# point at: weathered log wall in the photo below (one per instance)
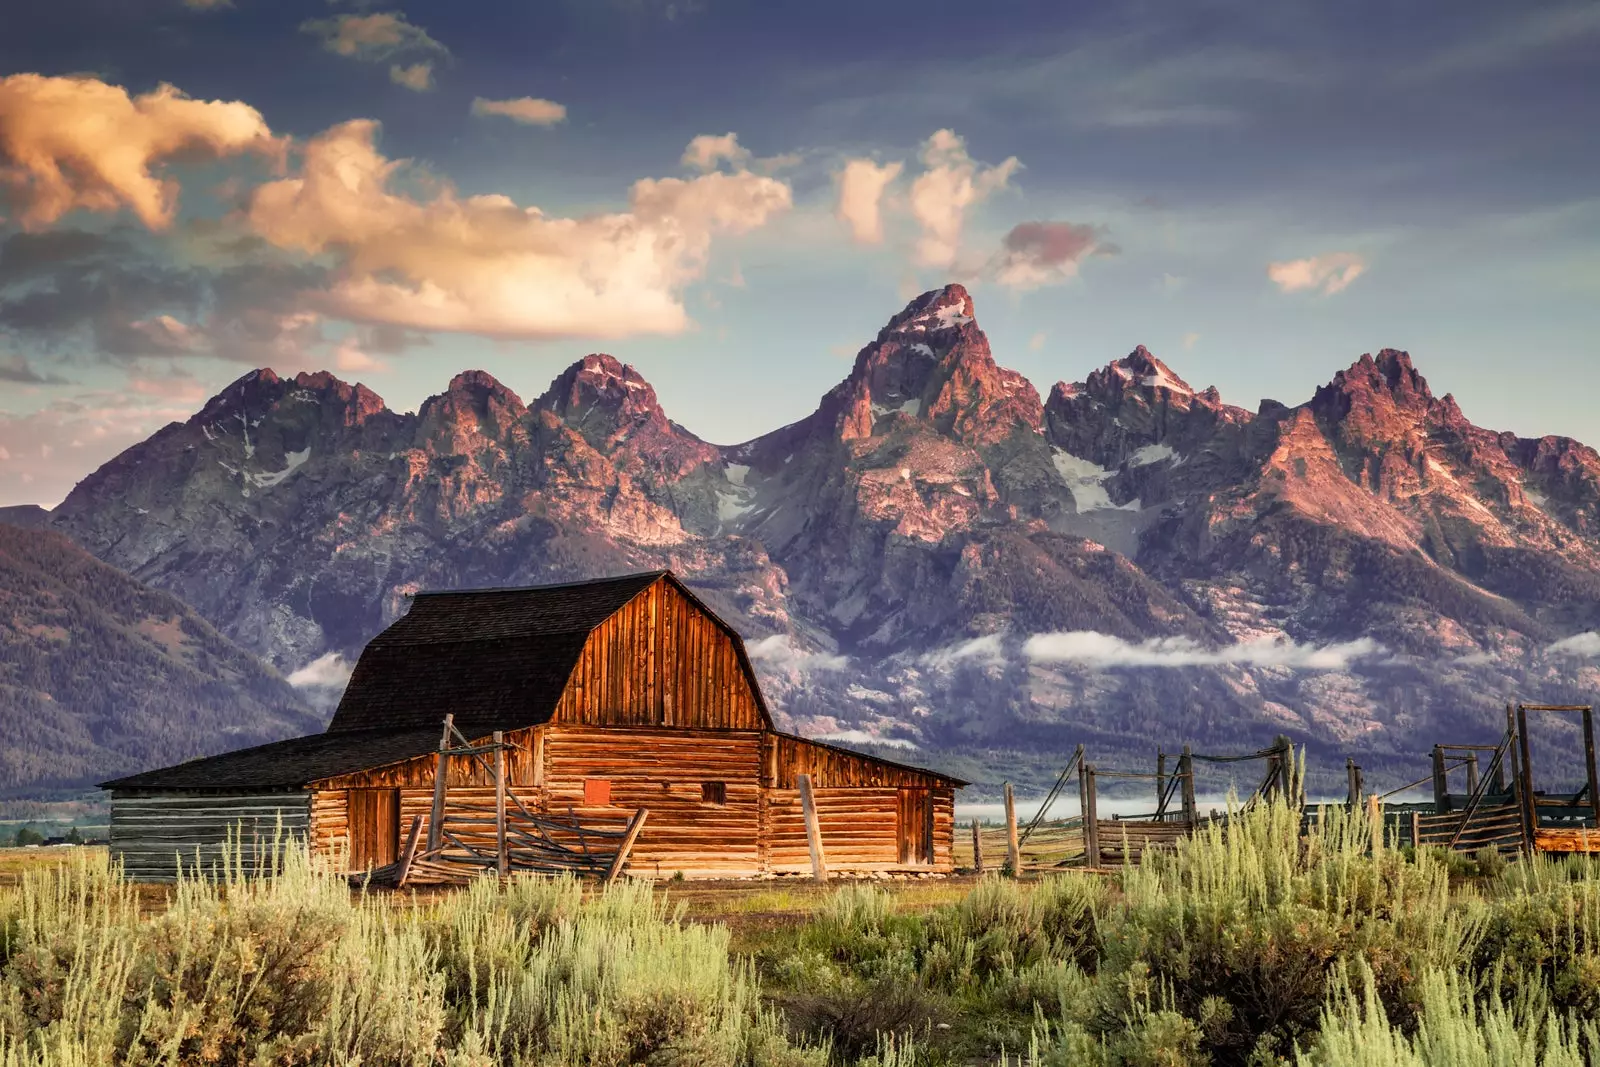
(667, 772)
(661, 661)
(151, 831)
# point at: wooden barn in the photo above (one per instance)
(596, 699)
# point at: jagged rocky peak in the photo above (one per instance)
(933, 363)
(600, 381)
(1382, 397)
(475, 405)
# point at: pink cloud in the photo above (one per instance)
(1329, 273)
(527, 110)
(48, 450)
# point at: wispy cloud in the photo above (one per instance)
(1584, 645)
(330, 671)
(987, 650)
(527, 110)
(1090, 648)
(418, 77)
(1035, 254)
(862, 184)
(1328, 273)
(779, 653)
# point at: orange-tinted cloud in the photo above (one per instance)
(79, 143)
(484, 264)
(528, 110)
(1328, 273)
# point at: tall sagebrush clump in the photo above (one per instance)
(291, 970)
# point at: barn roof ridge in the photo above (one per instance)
(550, 586)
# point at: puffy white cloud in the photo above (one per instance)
(1089, 648)
(373, 38)
(1329, 273)
(528, 110)
(1585, 645)
(79, 143)
(984, 651)
(780, 654)
(1033, 254)
(418, 77)
(951, 183)
(706, 151)
(862, 184)
(329, 671)
(862, 737)
(485, 265)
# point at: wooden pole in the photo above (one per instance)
(412, 837)
(1161, 785)
(502, 864)
(1091, 826)
(1515, 758)
(1416, 829)
(977, 848)
(635, 824)
(1441, 790)
(1472, 773)
(1375, 818)
(1529, 800)
(1285, 772)
(1186, 768)
(1013, 850)
(1352, 782)
(808, 803)
(441, 773)
(1588, 756)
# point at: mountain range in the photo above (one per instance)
(99, 673)
(937, 559)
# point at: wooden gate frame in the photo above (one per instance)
(523, 840)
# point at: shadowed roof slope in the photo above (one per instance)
(496, 659)
(291, 764)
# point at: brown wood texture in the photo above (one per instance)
(661, 661)
(1576, 840)
(151, 834)
(831, 767)
(374, 827)
(666, 771)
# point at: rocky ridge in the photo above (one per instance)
(917, 562)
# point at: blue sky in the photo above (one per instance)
(1424, 176)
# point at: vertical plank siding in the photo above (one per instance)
(151, 831)
(661, 661)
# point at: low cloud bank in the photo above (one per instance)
(1095, 649)
(329, 671)
(1584, 645)
(779, 653)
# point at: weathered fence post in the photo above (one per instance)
(502, 858)
(1375, 820)
(1441, 790)
(1416, 829)
(1161, 785)
(635, 824)
(440, 774)
(1013, 850)
(1285, 769)
(1352, 775)
(409, 852)
(1530, 800)
(1472, 774)
(1589, 763)
(1186, 768)
(808, 804)
(1091, 820)
(977, 848)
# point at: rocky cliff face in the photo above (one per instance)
(934, 557)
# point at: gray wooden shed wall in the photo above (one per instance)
(151, 831)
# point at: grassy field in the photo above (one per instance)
(1261, 948)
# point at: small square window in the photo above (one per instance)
(714, 792)
(596, 791)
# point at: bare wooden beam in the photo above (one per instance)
(808, 803)
(1013, 849)
(1161, 785)
(1527, 774)
(410, 852)
(1375, 819)
(1352, 777)
(440, 775)
(977, 847)
(502, 864)
(1441, 791)
(1589, 763)
(1416, 829)
(1472, 774)
(1091, 819)
(635, 825)
(1186, 768)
